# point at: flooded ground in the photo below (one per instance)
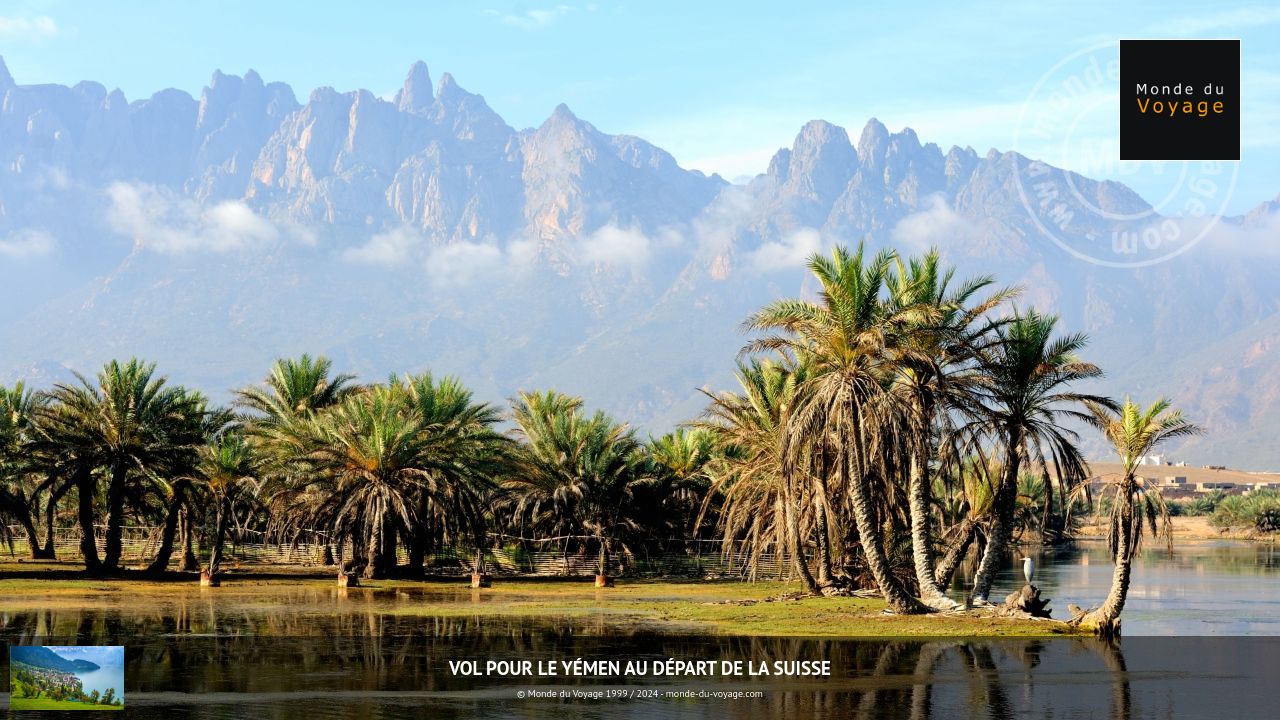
(305, 649)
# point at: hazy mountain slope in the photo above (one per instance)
(214, 235)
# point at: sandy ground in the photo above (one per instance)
(1185, 528)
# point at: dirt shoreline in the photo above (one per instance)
(1184, 528)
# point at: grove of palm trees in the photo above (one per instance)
(900, 431)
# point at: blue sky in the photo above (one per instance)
(720, 85)
(103, 655)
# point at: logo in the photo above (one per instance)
(1180, 99)
(1088, 193)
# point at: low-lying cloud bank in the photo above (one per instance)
(166, 222)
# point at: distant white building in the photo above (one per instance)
(1153, 460)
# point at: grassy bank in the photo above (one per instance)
(17, 702)
(712, 607)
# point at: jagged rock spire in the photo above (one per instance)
(416, 94)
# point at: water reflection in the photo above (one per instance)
(378, 665)
(1199, 588)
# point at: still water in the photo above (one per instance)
(1221, 587)
(314, 653)
(102, 679)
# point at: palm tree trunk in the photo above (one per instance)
(33, 540)
(85, 515)
(1047, 522)
(390, 548)
(1006, 497)
(1106, 619)
(189, 561)
(219, 536)
(825, 577)
(50, 552)
(955, 554)
(868, 533)
(796, 546)
(922, 535)
(165, 553)
(115, 519)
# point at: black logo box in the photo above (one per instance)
(1186, 68)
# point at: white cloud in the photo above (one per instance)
(388, 248)
(792, 252)
(530, 19)
(27, 243)
(612, 245)
(460, 263)
(936, 225)
(1250, 17)
(28, 28)
(165, 222)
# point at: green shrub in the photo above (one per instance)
(1257, 512)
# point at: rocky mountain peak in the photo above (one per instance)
(6, 80)
(819, 140)
(416, 95)
(562, 122)
(873, 141)
(820, 163)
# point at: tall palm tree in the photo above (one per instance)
(1024, 400)
(128, 426)
(752, 482)
(579, 473)
(1133, 432)
(937, 376)
(853, 343)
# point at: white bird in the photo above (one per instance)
(1028, 569)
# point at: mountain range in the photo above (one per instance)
(42, 657)
(422, 231)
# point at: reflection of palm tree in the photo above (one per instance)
(931, 653)
(1121, 693)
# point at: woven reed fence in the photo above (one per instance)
(508, 556)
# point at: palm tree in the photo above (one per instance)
(294, 391)
(580, 472)
(296, 388)
(452, 498)
(18, 407)
(1133, 432)
(175, 486)
(853, 343)
(227, 469)
(938, 374)
(683, 460)
(1023, 403)
(359, 468)
(127, 426)
(751, 482)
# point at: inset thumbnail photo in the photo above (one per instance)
(59, 677)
